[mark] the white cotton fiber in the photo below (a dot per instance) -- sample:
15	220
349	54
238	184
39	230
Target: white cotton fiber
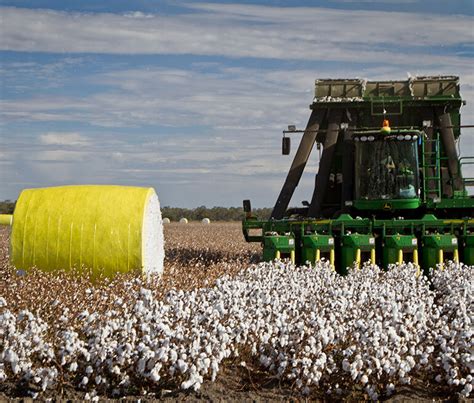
152	237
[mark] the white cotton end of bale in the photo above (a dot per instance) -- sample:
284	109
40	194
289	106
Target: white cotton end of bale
166	220
183	221
206	221
152	238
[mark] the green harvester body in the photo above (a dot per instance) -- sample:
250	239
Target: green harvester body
390	185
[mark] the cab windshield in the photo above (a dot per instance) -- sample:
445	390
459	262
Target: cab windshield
386	168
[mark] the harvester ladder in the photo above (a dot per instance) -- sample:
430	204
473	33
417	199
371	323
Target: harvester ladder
431	168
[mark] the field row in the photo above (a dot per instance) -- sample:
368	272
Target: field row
315	332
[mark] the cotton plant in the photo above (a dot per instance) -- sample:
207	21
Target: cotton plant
305	325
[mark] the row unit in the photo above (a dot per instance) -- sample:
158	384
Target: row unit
346	250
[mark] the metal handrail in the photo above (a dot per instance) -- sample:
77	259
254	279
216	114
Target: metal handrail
469	160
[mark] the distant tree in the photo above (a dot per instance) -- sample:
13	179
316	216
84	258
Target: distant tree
7	206
199	213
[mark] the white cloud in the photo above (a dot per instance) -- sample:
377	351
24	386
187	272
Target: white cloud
64	139
235	30
225	101
63	156
140	97
242	110
211	128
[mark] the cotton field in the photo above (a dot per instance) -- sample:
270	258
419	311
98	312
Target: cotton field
305	329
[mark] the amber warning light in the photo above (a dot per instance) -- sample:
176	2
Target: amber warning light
386	126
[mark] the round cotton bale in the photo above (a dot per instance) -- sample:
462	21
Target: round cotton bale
183	221
108	229
206	221
166	220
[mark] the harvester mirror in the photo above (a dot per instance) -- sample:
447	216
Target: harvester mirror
247	206
285	145
291	128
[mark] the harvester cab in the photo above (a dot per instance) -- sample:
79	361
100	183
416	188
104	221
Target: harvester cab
386	173
389	187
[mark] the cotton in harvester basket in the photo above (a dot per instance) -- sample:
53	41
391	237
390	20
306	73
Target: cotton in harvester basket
183	221
108	229
206	221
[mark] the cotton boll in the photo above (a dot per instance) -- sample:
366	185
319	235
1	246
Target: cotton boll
369	324
467	390
182	366
155	373
390	389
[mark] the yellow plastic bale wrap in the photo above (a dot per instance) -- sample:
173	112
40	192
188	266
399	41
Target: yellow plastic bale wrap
109	229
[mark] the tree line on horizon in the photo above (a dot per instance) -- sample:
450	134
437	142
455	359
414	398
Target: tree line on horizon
176	213
7	206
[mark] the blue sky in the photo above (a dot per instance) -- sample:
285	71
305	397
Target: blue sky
191	97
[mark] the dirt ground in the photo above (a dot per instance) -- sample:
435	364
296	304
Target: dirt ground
196	255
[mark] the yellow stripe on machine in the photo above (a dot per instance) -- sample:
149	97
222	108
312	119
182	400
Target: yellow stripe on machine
454	221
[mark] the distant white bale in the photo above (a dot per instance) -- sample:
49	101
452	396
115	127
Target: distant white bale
183	221
166	220
205	221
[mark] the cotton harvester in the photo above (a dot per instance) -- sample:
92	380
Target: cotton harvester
389	186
